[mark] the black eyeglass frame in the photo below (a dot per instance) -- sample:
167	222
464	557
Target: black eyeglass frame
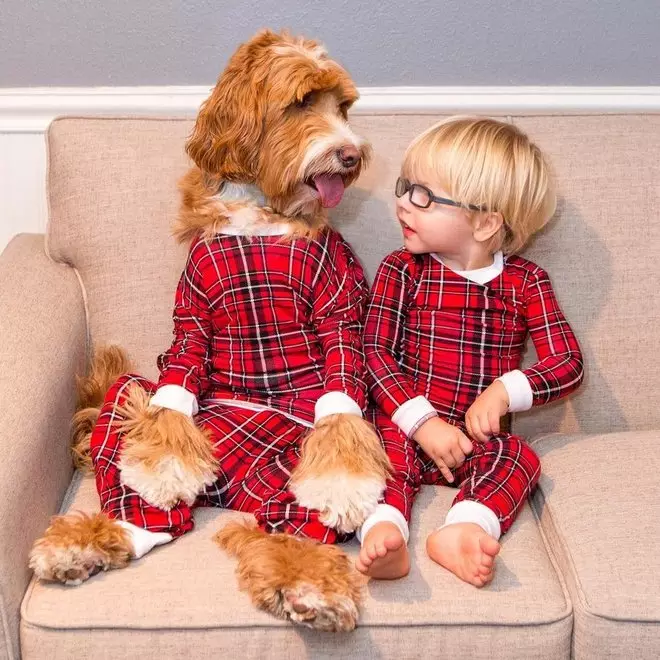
404	186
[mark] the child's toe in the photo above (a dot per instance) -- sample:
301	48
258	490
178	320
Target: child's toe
393	542
489	545
487	560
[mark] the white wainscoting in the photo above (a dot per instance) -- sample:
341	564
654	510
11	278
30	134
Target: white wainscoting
22	184
26	113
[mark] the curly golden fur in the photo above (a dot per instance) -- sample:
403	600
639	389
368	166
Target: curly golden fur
165	456
342	471
342	443
108	363
276	118
297	579
76	546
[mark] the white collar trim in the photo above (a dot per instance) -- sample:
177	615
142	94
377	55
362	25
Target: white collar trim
247	221
480	275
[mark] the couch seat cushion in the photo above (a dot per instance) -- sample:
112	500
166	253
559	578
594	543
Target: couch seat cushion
599	505
182	600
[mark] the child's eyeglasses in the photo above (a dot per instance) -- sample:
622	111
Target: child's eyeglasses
421	197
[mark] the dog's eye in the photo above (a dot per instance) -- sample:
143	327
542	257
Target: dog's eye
305	101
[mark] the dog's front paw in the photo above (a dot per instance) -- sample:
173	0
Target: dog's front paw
165	457
342	472
166	482
344	501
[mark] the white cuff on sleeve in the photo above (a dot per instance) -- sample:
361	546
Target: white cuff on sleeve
142	539
333	403
176	398
519	390
384	513
474	512
408	415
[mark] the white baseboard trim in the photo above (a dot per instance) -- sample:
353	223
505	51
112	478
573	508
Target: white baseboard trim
30	110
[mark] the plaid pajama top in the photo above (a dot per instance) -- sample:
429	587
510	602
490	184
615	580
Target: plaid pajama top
431	332
269	321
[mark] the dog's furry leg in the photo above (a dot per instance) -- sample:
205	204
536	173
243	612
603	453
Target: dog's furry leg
107	365
309	583
77	546
165	457
342	471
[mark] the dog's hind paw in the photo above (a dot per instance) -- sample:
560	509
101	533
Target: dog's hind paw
303	581
75	547
307	605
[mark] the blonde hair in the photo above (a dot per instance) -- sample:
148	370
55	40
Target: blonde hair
491	164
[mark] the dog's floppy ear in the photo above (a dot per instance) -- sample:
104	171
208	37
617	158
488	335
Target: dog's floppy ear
227	134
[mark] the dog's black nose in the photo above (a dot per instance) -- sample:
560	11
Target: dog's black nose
348	155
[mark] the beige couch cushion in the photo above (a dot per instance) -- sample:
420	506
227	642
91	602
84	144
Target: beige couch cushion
112	193
599	505
181	600
602	254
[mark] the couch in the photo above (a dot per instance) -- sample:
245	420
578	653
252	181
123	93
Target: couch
579	572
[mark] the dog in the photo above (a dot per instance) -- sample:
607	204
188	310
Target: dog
272	151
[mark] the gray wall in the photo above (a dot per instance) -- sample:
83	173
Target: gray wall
381	42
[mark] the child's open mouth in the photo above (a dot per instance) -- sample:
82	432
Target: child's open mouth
407	231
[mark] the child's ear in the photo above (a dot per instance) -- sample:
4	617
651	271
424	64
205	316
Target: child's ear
486	224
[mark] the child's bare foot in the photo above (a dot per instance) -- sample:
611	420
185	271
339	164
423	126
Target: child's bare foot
466	550
384	554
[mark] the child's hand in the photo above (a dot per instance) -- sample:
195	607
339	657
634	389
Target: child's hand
444	443
483	417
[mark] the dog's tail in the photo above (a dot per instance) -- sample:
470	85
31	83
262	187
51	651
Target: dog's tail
107	365
235	537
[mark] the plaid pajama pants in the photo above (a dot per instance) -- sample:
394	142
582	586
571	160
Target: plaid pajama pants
256	451
499	473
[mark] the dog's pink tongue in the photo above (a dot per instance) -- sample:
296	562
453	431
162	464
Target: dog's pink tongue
331	189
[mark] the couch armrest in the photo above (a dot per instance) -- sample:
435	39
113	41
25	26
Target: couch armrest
42	347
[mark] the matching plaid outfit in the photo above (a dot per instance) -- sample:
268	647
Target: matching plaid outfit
434	339
267	338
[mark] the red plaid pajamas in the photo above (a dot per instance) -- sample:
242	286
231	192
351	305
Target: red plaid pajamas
499	473
431	332
269	320
261	321
256	451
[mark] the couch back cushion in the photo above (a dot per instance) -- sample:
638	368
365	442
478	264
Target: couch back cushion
113	196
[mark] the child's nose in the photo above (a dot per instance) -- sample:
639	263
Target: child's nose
403	203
